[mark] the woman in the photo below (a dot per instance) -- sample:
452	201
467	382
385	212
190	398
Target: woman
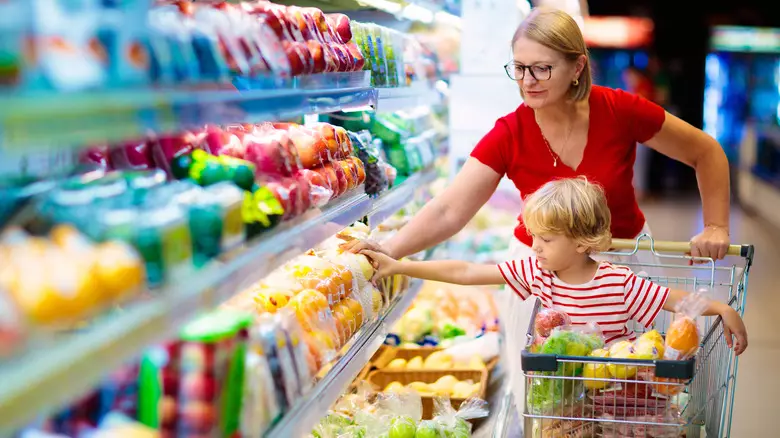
567	127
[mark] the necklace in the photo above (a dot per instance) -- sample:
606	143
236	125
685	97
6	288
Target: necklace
547	143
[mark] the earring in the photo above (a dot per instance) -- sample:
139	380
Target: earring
576	82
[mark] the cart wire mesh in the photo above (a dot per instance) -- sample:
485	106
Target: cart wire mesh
609	397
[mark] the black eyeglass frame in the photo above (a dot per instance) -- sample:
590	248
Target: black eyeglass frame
523	68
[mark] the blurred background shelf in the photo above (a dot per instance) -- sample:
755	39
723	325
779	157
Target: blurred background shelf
398	99
88	118
47	376
305	415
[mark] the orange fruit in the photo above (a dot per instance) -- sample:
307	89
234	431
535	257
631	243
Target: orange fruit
682	338
356	308
667	389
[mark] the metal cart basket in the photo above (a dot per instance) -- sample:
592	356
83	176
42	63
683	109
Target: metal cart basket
570	396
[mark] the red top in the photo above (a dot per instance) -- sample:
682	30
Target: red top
618	121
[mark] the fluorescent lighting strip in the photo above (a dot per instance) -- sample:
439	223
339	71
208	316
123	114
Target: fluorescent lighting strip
413	12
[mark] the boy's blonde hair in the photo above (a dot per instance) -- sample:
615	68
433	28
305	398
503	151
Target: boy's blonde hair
573	207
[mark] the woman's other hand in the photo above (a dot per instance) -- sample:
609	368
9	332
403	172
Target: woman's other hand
713	242
356	246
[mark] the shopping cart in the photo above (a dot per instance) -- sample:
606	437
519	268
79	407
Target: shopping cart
606	397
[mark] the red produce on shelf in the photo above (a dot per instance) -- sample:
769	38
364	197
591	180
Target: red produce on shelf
132	155
311	148
96	155
329	175
341	27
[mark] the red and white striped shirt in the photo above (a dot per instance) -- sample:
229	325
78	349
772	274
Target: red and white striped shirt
612	298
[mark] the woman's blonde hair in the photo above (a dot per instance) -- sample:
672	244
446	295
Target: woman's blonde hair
558	31
573	207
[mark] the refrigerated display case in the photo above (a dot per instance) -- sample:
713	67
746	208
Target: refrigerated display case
617	44
142	225
742	109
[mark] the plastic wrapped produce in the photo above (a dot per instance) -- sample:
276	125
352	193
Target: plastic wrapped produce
682	337
548	393
375	177
453	423
79	277
261	211
548	319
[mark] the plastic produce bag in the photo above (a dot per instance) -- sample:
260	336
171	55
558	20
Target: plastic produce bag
448	423
547	394
548	319
682	336
376	178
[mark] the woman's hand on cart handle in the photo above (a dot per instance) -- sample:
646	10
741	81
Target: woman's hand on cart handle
674	247
712	242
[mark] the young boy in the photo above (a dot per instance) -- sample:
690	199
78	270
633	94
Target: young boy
569	220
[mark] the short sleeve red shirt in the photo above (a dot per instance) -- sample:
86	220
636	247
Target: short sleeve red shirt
618	121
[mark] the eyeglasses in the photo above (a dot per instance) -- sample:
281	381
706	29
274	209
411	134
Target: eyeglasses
516	72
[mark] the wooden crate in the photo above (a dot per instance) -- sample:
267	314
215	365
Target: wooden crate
382	378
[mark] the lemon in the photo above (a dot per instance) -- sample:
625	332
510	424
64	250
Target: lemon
596	371
622	350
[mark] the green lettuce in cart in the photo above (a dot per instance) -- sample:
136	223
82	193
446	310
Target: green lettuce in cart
547	393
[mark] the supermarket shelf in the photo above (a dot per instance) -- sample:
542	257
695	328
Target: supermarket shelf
47	120
48	376
387	204
397	99
305	415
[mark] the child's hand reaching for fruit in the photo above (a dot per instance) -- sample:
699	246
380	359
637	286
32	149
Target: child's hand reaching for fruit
384	265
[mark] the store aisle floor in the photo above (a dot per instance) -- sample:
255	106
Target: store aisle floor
756	403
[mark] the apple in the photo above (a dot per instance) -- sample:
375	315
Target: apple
167	409
320	190
329	136
402	427
199	415
318	21
270	154
132	155
340	25
358	169
352	178
342	178
311	149
296	59
330	176
359	60
276	17
318	56
343	62
97	155
304	194
198	386
169	380
547	319
297	25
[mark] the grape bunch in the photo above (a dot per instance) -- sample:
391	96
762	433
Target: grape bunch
368	152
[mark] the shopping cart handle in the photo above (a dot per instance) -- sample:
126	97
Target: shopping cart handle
676	247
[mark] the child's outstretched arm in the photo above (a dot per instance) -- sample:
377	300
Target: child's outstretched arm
733	326
447	271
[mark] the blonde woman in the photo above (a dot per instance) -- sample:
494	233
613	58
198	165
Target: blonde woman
567	127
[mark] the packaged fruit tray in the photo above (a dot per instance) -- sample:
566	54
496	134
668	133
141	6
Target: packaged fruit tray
387	354
383	378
